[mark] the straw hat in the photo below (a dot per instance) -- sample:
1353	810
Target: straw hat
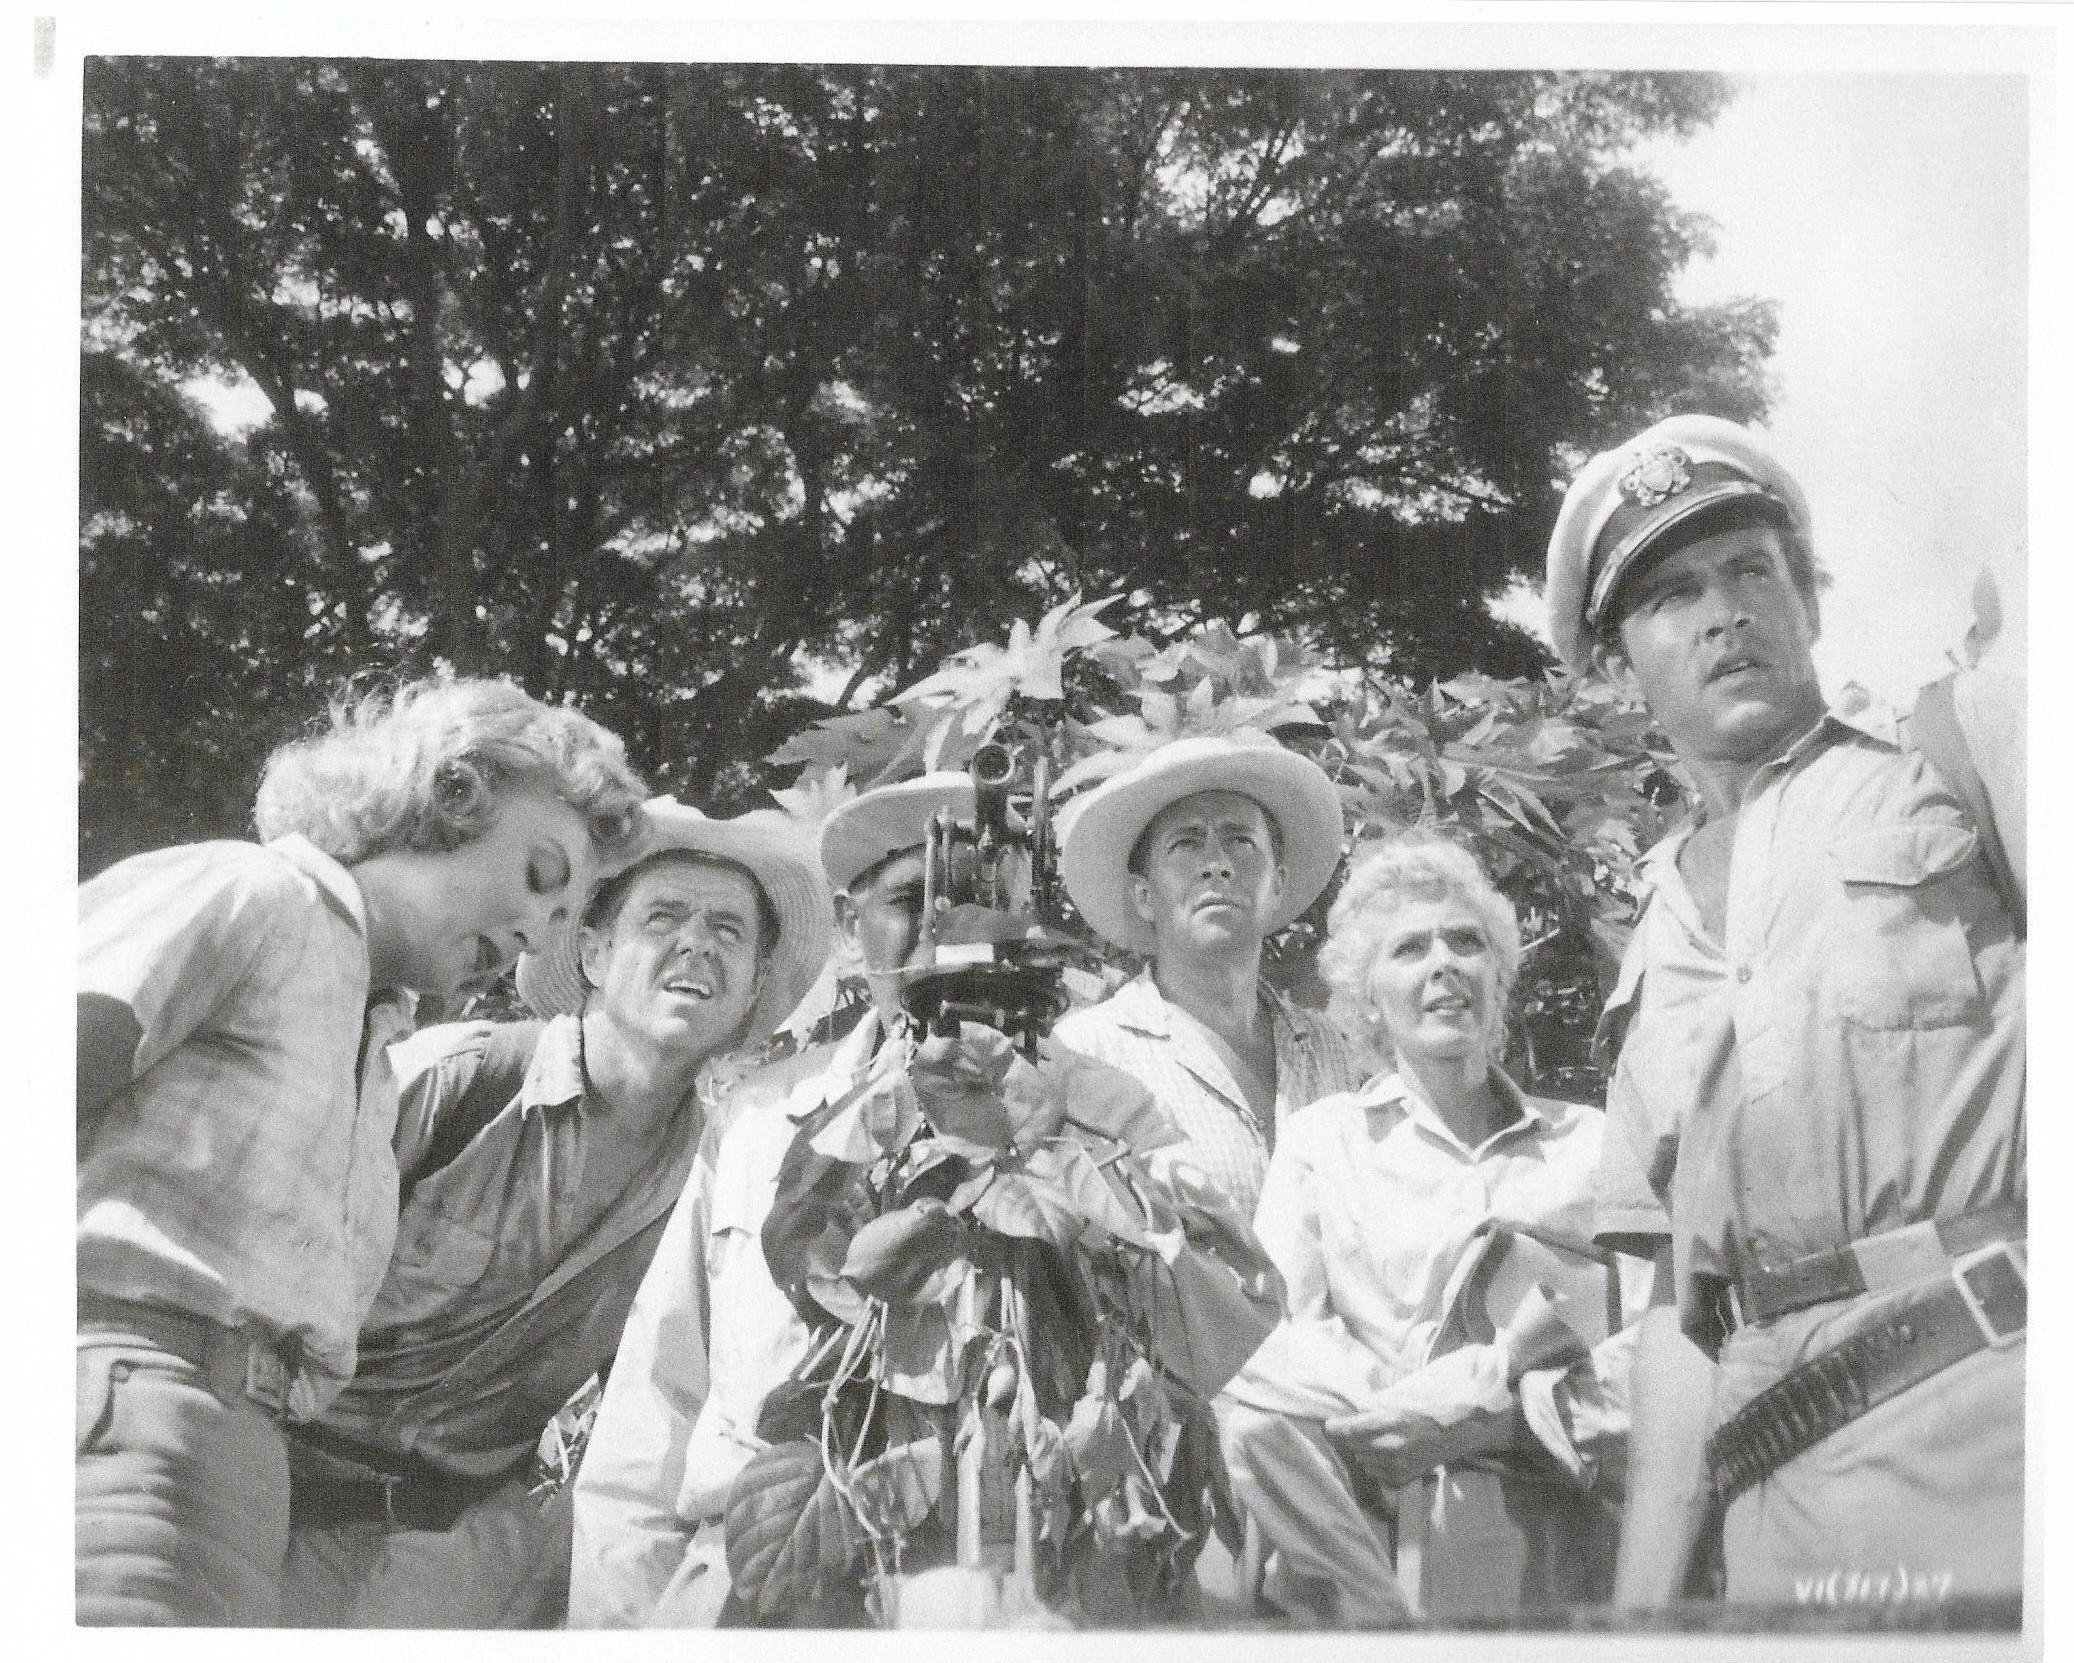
774	850
1097	832
887	819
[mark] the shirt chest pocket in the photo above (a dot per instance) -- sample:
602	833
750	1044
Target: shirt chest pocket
1897	956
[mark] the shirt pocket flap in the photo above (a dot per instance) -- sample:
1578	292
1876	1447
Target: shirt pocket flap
1904	856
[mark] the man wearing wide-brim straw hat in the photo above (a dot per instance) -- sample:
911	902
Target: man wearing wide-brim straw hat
1816	1120
711	1333
540	1162
1192	857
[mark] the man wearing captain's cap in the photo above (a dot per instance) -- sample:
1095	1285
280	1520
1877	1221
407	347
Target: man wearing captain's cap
1193	857
1816	1123
678	1419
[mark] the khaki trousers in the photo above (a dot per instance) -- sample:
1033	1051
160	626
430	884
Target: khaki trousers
180	1501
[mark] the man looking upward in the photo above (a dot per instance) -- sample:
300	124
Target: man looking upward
1181	858
1816	1124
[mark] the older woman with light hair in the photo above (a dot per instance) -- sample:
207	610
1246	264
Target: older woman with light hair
1438	1426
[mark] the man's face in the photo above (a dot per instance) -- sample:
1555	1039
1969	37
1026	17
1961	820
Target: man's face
461	917
1210	877
1433	984
1715	639
680	960
881	918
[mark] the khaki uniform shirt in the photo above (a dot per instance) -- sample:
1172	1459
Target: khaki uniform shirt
246	1174
1847	1060
1850	1058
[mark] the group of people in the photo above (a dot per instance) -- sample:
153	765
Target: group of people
1755	1327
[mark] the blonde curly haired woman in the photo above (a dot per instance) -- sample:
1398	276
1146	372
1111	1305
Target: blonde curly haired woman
237	1189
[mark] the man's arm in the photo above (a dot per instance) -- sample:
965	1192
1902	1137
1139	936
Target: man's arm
1667	1500
629	1541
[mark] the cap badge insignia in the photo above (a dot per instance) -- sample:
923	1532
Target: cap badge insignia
1657	476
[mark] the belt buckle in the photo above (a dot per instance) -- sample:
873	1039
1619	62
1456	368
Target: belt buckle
1965	1265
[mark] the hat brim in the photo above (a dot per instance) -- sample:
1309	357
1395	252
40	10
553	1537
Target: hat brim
1632	553
776	852
887	819
1098	833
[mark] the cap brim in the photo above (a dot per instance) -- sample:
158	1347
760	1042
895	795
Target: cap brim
1628	557
887	819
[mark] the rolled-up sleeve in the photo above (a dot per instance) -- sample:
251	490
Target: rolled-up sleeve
167	936
1580	1414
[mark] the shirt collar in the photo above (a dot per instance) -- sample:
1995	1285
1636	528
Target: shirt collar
1855	712
328	875
1140	1005
555	1076
1393	1090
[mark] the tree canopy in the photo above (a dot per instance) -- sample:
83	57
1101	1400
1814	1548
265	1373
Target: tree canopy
720	398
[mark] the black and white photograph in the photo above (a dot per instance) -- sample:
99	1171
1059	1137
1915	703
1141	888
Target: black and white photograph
1205	830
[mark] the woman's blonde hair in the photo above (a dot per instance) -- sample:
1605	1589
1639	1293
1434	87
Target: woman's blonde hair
1419	866
421	766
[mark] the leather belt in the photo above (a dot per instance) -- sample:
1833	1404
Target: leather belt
1891	1259
329	1486
1981	1303
234	1363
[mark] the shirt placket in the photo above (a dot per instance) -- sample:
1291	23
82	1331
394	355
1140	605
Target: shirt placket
1760	1038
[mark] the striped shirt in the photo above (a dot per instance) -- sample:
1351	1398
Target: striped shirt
1136	1030
245	1174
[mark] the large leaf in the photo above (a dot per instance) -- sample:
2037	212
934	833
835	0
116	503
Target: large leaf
1204	1323
1104	1099
896	1491
1097	1446
1072	1169
820	1204
922	1353
790	1537
1020	1204
898	1255
981	1094
876	1119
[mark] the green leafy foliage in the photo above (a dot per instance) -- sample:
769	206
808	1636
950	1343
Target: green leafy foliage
1067	1305
792	1542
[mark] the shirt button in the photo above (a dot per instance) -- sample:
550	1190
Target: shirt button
1742	972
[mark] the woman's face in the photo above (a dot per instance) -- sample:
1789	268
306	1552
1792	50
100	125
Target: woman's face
1433	983
454	919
